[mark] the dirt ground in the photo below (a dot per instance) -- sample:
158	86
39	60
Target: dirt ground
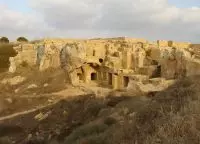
60	114
58	105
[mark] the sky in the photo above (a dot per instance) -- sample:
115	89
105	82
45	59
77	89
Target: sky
177	20
185	3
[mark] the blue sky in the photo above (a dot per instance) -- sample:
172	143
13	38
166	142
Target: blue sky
185	3
19	5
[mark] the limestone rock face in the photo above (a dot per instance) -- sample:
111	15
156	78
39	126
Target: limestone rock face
50	57
26	53
72	56
13	81
173	63
136	86
112	62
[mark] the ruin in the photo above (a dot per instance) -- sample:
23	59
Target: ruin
115	62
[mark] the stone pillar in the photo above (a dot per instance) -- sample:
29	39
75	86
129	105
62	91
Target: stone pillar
168	64
115	81
12	67
74	77
129	60
141	58
126	59
181	65
87	76
99	76
120	82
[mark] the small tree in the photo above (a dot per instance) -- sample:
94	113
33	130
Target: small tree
4	40
6	51
22	39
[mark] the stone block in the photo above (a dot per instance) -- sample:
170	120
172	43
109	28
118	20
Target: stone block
147	70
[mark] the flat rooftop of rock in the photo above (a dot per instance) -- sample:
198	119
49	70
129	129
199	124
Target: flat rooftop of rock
128	39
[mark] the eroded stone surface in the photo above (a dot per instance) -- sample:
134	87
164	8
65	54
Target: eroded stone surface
114	62
13	81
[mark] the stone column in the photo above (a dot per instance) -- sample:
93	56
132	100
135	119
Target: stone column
12	67
115	81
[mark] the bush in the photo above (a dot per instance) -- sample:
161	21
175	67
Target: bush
94	107
94	139
22	39
110	121
4	40
85	131
6	51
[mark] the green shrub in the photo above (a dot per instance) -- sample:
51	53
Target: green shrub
85	131
94	139
94	107
6	51
4	40
22	39
110	121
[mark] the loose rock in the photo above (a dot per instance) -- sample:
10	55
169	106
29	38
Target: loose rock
32	86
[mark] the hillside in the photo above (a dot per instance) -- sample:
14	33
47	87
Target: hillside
170	117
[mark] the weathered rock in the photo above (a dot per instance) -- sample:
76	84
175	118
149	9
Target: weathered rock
125	110
13	81
12	67
132	114
42	116
9	100
155	85
117	116
17	90
29	137
5	140
50	100
111	62
46	85
32	86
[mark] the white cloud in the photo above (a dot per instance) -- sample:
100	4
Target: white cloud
14	24
154	19
151	19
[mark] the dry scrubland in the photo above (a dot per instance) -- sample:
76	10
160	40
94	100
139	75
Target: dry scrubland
171	117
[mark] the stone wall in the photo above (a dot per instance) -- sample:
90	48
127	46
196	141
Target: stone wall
165	43
26	53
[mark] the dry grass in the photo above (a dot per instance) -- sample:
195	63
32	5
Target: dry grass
86	133
53	77
171	117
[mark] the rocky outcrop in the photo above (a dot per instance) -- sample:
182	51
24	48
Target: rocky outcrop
113	60
13	81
